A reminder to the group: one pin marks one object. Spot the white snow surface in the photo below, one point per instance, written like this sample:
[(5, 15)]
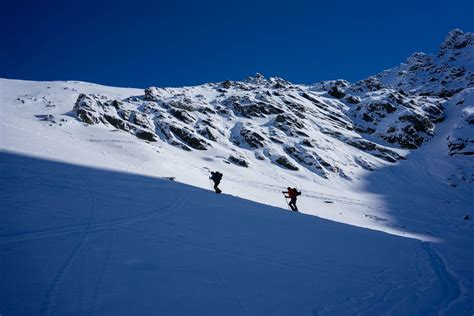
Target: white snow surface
[(90, 224)]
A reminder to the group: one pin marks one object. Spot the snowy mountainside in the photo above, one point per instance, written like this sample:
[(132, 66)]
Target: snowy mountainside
[(255, 120), (391, 153), (321, 128), (263, 133), (291, 126), (77, 240)]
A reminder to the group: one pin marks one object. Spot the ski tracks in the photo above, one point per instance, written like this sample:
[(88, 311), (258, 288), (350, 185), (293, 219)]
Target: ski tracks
[(88, 226), (448, 283), (95, 297), (382, 301), (51, 292), (449, 288)]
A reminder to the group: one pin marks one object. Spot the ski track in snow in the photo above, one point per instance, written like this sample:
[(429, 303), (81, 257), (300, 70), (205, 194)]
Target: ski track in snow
[(108, 252), (448, 282), (54, 232), (50, 297), (49, 301)]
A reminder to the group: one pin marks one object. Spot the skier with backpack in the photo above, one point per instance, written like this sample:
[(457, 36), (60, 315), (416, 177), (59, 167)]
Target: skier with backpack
[(216, 177), (292, 193)]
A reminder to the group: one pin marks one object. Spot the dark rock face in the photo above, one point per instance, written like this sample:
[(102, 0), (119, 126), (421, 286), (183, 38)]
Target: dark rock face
[(226, 84), (253, 139), (250, 108), (435, 113), (118, 123), (86, 109), (367, 85), (419, 123), (352, 99), (461, 145), (189, 138), (364, 164), (336, 92), (240, 161), (310, 160), (84, 115), (182, 115), (457, 39), (151, 94), (182, 104), (307, 143), (366, 117), (290, 124), (146, 135), (284, 162), (207, 133), (456, 146)]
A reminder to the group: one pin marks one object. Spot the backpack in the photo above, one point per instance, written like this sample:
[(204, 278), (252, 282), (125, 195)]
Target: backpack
[(297, 192), (217, 176)]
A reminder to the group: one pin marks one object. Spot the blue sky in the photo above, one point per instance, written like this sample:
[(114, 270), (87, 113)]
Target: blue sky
[(174, 43)]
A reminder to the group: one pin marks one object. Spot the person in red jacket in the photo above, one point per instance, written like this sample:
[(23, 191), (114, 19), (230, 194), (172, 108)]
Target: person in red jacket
[(292, 193)]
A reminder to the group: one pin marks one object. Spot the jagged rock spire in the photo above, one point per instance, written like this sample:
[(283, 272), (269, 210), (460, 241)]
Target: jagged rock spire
[(457, 39)]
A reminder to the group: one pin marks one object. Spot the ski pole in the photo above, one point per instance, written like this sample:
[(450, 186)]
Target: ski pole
[(287, 205)]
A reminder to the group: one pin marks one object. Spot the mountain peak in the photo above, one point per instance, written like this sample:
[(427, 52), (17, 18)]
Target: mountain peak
[(257, 78), (457, 39)]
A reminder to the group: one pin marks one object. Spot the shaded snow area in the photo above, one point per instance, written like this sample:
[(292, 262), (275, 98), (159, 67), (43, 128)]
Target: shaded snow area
[(84, 241), (107, 209)]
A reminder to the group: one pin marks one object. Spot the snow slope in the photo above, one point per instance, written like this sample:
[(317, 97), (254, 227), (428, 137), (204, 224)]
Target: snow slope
[(27, 128), (390, 154), (84, 241)]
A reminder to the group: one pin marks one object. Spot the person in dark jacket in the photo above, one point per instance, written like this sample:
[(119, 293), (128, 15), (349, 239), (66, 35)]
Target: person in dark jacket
[(291, 194), (216, 177)]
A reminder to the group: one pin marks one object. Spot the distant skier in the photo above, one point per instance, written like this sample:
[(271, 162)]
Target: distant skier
[(292, 193), (216, 177)]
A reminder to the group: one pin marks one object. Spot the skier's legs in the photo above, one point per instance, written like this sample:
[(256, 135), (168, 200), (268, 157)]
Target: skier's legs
[(293, 204), (216, 183)]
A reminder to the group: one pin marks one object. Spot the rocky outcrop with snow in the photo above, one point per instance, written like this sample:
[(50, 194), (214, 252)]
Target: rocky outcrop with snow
[(461, 138), (327, 128)]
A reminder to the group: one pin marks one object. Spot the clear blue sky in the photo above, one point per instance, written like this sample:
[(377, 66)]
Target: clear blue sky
[(173, 43)]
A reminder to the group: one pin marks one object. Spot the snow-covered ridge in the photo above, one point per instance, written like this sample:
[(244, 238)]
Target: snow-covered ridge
[(448, 72), (254, 120), (330, 128)]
